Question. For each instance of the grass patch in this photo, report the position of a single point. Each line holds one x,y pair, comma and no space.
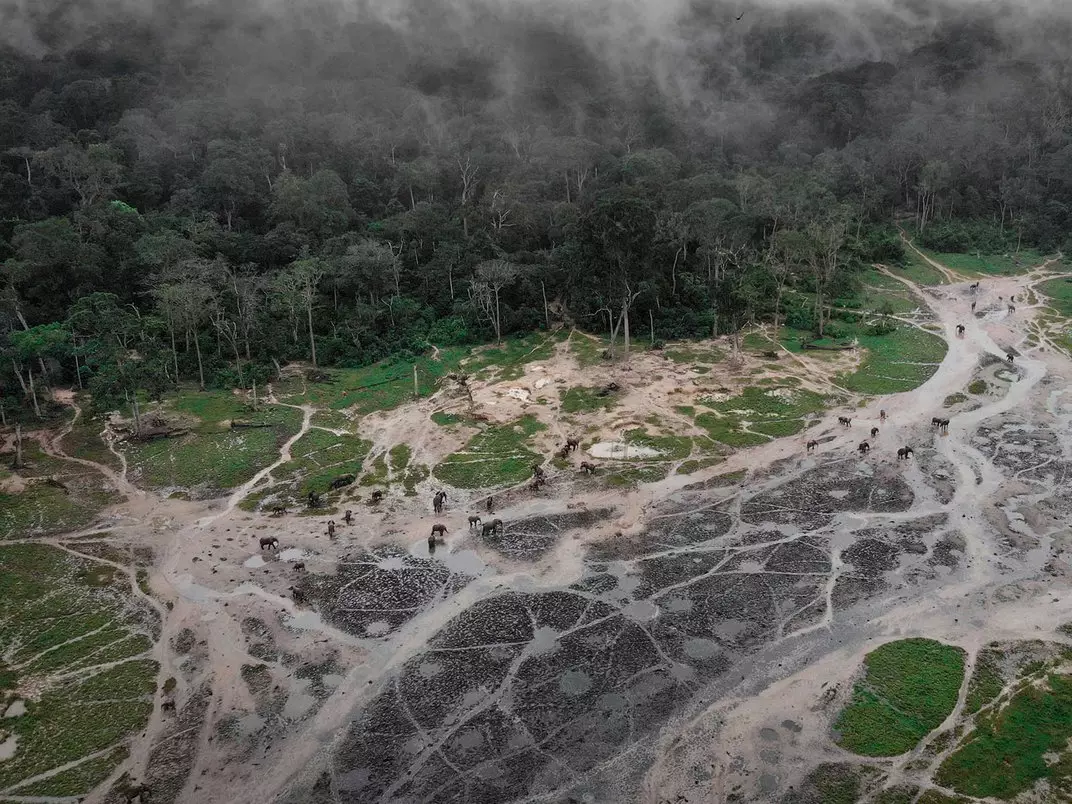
507,361
909,688
496,456
986,682
213,458
585,400
918,270
1058,293
39,509
670,448
900,361
317,458
59,615
633,476
978,387
689,467
400,455
1027,741
981,265
759,414
901,794
954,399
446,419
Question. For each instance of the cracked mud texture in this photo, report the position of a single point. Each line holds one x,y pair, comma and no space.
534,694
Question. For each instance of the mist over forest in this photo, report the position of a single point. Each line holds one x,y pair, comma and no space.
214,186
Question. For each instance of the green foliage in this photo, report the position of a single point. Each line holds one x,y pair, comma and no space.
497,456
954,399
1009,752
978,387
909,688
900,794
982,264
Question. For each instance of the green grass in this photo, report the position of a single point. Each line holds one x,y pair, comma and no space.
918,270
585,400
635,475
670,448
759,414
900,361
954,399
978,387
982,265
1007,753
84,441
317,458
909,688
900,794
400,455
507,361
986,682
213,458
43,510
446,419
497,456
59,614
689,467
1058,293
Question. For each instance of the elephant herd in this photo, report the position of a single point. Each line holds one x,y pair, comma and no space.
864,447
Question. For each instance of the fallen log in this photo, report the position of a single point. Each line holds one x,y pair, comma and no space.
826,348
236,424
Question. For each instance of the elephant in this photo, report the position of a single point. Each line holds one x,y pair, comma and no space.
812,445
341,481
269,543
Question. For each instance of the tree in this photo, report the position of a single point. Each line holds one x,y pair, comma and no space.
299,287
91,173
489,279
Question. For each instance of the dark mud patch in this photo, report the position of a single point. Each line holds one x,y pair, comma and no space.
532,538
375,592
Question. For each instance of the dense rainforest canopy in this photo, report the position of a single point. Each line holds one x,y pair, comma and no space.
192,196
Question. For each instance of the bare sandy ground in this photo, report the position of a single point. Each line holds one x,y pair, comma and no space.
211,575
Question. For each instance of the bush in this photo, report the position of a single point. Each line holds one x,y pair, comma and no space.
449,331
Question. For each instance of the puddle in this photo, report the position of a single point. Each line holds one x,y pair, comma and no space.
293,554
299,702
254,562
544,640
7,747
17,709
463,562
331,680
622,451
575,682
702,649
641,611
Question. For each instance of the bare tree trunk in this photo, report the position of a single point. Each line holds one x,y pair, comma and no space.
498,320
200,366
450,280
33,393
278,370
22,382
254,394
625,313
546,311
651,322
312,339
77,370
18,446
137,413
174,352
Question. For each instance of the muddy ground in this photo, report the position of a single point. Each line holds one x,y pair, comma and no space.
684,641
